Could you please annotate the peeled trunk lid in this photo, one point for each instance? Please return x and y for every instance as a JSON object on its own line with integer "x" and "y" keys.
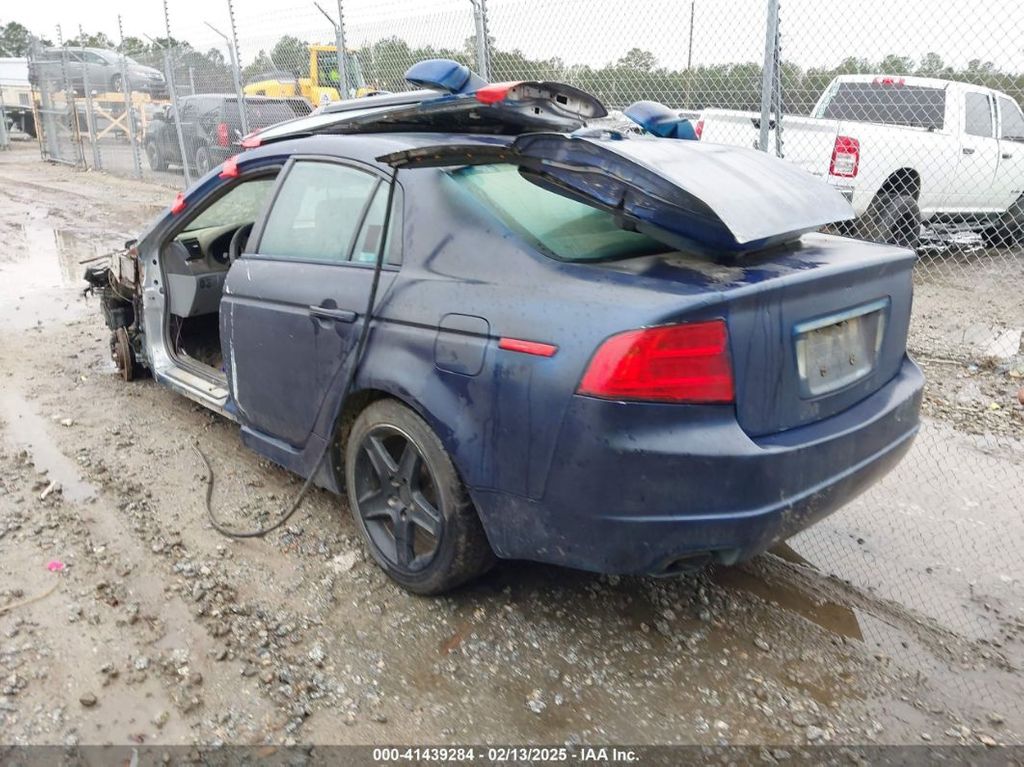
{"x": 807, "y": 142}
{"x": 689, "y": 194}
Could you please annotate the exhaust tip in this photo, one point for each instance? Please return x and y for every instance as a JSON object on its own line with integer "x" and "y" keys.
{"x": 686, "y": 564}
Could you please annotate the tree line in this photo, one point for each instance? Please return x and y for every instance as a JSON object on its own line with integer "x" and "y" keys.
{"x": 634, "y": 76}
{"x": 638, "y": 75}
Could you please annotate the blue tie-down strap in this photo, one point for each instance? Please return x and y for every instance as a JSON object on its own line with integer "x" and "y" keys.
{"x": 658, "y": 120}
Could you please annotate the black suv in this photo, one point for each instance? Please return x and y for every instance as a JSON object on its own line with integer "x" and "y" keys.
{"x": 211, "y": 128}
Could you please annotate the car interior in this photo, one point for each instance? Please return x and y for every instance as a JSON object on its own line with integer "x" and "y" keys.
{"x": 305, "y": 225}
{"x": 195, "y": 265}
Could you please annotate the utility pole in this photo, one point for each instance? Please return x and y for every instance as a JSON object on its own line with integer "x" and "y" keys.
{"x": 236, "y": 66}
{"x": 339, "y": 46}
{"x": 687, "y": 93}
{"x": 768, "y": 71}
{"x": 235, "y": 75}
{"x": 90, "y": 119}
{"x": 482, "y": 53}
{"x": 169, "y": 67}
{"x": 71, "y": 108}
{"x": 342, "y": 54}
{"x": 128, "y": 103}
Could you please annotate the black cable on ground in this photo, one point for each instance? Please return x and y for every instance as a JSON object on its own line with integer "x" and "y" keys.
{"x": 357, "y": 357}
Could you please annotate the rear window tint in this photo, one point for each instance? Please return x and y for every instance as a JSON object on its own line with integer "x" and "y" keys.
{"x": 555, "y": 225}
{"x": 1012, "y": 120}
{"x": 260, "y": 113}
{"x": 886, "y": 104}
{"x": 978, "y": 115}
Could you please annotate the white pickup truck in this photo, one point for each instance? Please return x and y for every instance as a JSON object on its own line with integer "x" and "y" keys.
{"x": 905, "y": 150}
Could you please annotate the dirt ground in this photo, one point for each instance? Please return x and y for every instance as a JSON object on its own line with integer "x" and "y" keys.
{"x": 161, "y": 631}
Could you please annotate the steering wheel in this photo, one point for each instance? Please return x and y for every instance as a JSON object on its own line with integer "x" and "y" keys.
{"x": 238, "y": 239}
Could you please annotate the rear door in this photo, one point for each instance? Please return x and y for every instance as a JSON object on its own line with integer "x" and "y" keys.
{"x": 971, "y": 190}
{"x": 188, "y": 118}
{"x": 1010, "y": 173}
{"x": 75, "y": 65}
{"x": 98, "y": 71}
{"x": 292, "y": 304}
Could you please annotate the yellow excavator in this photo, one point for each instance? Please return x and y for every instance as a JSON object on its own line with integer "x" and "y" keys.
{"x": 322, "y": 84}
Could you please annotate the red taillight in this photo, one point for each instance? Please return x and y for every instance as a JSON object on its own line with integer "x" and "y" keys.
{"x": 887, "y": 80}
{"x": 845, "y": 157}
{"x": 698, "y": 129}
{"x": 251, "y": 141}
{"x": 673, "y": 363}
{"x": 179, "y": 204}
{"x": 223, "y": 139}
{"x": 230, "y": 168}
{"x": 495, "y": 92}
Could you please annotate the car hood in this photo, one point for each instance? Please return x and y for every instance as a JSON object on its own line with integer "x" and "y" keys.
{"x": 685, "y": 193}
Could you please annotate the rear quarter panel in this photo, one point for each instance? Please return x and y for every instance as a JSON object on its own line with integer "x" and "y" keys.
{"x": 885, "y": 149}
{"x": 500, "y": 425}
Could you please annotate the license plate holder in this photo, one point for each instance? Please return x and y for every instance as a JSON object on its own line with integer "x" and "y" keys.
{"x": 837, "y": 351}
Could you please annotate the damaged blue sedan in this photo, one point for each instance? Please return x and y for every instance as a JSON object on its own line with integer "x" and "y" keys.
{"x": 505, "y": 327}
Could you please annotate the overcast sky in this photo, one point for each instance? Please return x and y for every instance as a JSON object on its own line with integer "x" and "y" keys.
{"x": 814, "y": 32}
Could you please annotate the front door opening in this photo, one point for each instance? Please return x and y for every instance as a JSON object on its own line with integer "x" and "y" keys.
{"x": 195, "y": 265}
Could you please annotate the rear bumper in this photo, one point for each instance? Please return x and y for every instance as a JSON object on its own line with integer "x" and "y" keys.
{"x": 641, "y": 488}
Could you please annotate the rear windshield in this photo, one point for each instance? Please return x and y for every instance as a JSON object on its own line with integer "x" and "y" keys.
{"x": 261, "y": 114}
{"x": 885, "y": 103}
{"x": 555, "y": 225}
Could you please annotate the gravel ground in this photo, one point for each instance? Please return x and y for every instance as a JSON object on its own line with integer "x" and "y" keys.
{"x": 157, "y": 630}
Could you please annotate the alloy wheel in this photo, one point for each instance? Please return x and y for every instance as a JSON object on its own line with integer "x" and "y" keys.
{"x": 398, "y": 499}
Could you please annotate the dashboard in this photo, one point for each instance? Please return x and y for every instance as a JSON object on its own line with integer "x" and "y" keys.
{"x": 195, "y": 265}
{"x": 210, "y": 245}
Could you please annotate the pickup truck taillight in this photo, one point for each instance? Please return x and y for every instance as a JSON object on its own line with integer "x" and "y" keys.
{"x": 845, "y": 157}
{"x": 223, "y": 139}
{"x": 699, "y": 128}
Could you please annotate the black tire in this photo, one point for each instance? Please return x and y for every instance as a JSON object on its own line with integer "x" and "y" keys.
{"x": 422, "y": 495}
{"x": 893, "y": 219}
{"x": 1009, "y": 229}
{"x": 157, "y": 161}
{"x": 203, "y": 160}
{"x": 115, "y": 84}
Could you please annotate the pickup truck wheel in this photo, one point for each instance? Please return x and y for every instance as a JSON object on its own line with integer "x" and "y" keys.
{"x": 894, "y": 219}
{"x": 203, "y": 161}
{"x": 156, "y": 158}
{"x": 1009, "y": 229}
{"x": 409, "y": 504}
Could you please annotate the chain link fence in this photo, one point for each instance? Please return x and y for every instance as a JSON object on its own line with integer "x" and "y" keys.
{"x": 912, "y": 111}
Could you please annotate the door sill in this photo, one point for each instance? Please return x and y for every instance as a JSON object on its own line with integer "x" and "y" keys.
{"x": 210, "y": 394}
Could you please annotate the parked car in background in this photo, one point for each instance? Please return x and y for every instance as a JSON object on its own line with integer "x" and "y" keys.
{"x": 211, "y": 127}
{"x": 102, "y": 69}
{"x": 905, "y": 150}
{"x": 505, "y": 331}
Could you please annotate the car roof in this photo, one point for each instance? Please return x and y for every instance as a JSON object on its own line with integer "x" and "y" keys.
{"x": 367, "y": 147}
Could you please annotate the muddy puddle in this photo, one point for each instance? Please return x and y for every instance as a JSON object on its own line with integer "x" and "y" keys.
{"x": 25, "y": 429}
{"x": 887, "y": 631}
{"x": 41, "y": 275}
